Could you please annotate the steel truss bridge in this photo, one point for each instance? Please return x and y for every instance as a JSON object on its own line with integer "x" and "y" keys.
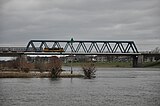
{"x": 84, "y": 47}
{"x": 79, "y": 47}
{"x": 36, "y": 47}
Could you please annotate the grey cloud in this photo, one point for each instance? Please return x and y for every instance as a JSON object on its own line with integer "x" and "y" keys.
{"x": 136, "y": 20}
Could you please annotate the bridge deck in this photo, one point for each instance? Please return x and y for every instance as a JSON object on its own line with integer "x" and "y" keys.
{"x": 10, "y": 54}
{"x": 64, "y": 53}
{"x": 75, "y": 53}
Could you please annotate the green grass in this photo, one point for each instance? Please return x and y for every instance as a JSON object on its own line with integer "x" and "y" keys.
{"x": 115, "y": 64}
{"x": 151, "y": 64}
{"x": 102, "y": 64}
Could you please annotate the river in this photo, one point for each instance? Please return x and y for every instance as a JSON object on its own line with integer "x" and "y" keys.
{"x": 111, "y": 87}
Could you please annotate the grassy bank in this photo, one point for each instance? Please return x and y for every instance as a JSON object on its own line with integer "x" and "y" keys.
{"x": 151, "y": 64}
{"x": 11, "y": 74}
{"x": 102, "y": 64}
{"x": 115, "y": 64}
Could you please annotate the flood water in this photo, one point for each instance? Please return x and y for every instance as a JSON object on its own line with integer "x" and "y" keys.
{"x": 111, "y": 87}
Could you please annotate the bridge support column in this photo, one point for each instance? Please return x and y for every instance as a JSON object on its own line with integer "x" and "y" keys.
{"x": 140, "y": 60}
{"x": 134, "y": 61}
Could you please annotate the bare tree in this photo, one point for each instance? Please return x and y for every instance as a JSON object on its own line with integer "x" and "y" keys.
{"x": 40, "y": 65}
{"x": 156, "y": 50}
{"x": 55, "y": 66}
{"x": 89, "y": 70}
{"x": 24, "y": 65}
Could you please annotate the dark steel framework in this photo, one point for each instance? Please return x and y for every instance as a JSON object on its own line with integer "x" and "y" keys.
{"x": 83, "y": 46}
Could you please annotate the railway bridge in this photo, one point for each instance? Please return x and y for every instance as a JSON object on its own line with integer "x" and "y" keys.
{"x": 71, "y": 47}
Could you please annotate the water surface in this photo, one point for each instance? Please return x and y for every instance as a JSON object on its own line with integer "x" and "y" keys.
{"x": 111, "y": 87}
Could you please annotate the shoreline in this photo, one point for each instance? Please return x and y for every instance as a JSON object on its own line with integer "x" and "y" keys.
{"x": 9, "y": 74}
{"x": 118, "y": 64}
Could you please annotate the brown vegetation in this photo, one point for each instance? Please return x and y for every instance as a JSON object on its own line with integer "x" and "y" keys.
{"x": 89, "y": 70}
{"x": 55, "y": 66}
{"x": 11, "y": 74}
{"x": 22, "y": 68}
{"x": 52, "y": 65}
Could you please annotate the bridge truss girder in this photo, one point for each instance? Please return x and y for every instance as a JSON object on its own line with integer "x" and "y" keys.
{"x": 83, "y": 46}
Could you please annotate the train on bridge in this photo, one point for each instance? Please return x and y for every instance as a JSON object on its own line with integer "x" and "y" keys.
{"x": 53, "y": 50}
{"x": 23, "y": 49}
{"x": 12, "y": 49}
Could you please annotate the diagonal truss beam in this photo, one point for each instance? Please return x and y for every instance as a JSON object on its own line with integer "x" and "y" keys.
{"x": 84, "y": 46}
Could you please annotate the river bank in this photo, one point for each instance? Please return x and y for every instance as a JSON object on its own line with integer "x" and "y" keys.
{"x": 11, "y": 74}
{"x": 66, "y": 74}
{"x": 116, "y": 64}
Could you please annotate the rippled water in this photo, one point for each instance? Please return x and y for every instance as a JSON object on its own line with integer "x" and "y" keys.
{"x": 111, "y": 87}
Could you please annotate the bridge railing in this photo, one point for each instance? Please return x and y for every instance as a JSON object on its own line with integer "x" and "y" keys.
{"x": 83, "y": 46}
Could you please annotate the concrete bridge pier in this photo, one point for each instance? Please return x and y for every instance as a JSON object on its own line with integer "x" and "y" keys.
{"x": 140, "y": 60}
{"x": 135, "y": 61}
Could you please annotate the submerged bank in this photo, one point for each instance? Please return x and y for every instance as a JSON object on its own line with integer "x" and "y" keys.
{"x": 10, "y": 74}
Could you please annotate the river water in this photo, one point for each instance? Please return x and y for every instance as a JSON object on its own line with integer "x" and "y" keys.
{"x": 111, "y": 87}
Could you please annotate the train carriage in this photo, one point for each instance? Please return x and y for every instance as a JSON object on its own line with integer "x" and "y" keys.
{"x": 53, "y": 50}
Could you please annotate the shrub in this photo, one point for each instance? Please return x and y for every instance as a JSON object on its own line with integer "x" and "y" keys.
{"x": 55, "y": 66}
{"x": 55, "y": 72}
{"x": 89, "y": 70}
{"x": 26, "y": 70}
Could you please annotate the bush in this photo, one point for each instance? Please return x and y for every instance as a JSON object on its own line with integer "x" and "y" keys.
{"x": 26, "y": 70}
{"x": 55, "y": 72}
{"x": 56, "y": 66}
{"x": 89, "y": 70}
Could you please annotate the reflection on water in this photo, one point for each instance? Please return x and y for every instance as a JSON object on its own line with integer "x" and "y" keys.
{"x": 112, "y": 86}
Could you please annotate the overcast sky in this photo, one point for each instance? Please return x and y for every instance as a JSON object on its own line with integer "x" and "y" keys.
{"x": 137, "y": 20}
